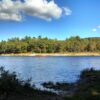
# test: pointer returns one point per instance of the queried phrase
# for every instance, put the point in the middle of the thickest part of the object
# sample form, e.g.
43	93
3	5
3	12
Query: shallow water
44	69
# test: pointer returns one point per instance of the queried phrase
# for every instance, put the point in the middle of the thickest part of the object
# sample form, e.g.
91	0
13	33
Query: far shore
54	54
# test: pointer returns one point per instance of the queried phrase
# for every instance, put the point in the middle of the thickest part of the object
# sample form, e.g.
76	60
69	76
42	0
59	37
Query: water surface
44	69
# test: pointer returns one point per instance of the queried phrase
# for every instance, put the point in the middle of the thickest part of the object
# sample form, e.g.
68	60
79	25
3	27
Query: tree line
46	45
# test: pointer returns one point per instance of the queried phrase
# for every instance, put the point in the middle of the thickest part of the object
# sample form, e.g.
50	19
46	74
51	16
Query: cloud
67	11
98	26
44	9
94	30
9	10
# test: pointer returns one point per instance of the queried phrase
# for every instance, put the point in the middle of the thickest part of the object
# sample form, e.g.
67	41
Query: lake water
44	69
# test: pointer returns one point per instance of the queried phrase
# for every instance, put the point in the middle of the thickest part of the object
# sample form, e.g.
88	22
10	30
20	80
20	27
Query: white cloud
98	26
94	30
44	9
67	11
9	10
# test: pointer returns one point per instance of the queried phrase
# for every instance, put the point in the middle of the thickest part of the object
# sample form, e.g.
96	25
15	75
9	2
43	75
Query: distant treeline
46	45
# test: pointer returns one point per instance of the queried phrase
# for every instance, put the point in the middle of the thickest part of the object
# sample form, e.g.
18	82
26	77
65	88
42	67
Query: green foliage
45	45
86	88
12	88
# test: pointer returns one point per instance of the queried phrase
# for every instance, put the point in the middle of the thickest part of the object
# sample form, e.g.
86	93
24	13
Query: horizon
47	38
54	19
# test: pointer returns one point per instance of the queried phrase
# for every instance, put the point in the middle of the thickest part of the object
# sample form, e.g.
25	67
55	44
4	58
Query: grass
86	88
11	88
54	54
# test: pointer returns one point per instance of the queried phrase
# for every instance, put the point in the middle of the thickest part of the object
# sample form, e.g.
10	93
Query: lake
44	69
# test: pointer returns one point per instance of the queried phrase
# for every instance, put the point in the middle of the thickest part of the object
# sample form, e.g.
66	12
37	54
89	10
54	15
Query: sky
59	19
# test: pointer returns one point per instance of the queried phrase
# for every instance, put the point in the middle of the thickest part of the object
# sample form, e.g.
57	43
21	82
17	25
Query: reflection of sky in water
43	69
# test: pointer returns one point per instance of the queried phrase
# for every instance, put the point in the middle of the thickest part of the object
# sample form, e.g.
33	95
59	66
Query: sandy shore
53	54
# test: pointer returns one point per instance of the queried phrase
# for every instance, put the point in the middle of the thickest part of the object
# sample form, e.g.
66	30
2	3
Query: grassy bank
86	88
11	88
54	54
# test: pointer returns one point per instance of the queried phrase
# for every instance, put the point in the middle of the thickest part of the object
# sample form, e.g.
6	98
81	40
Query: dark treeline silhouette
12	88
46	45
86	88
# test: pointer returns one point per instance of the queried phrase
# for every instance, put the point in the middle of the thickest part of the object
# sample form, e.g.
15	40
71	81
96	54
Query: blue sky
82	19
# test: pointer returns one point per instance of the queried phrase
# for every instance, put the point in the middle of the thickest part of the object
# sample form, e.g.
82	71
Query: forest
46	45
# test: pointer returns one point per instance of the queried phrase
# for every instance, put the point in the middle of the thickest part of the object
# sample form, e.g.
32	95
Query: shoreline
54	54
